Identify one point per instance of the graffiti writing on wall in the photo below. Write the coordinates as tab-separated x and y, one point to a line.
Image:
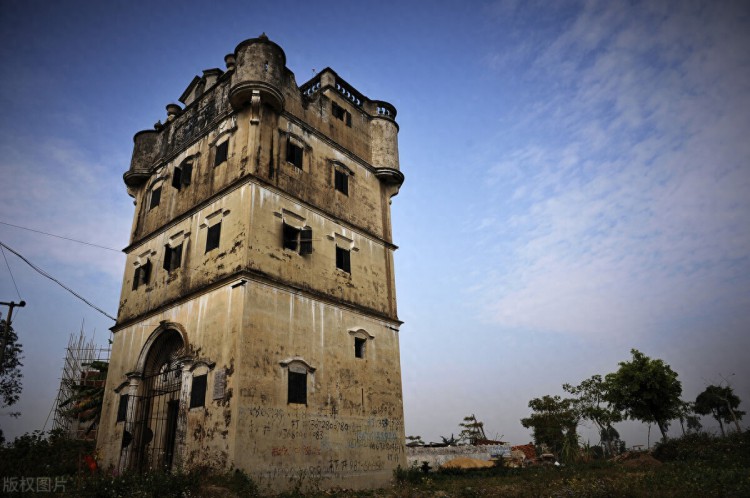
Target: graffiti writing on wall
320	444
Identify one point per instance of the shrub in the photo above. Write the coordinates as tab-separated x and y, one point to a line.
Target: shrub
731	449
411	475
43	455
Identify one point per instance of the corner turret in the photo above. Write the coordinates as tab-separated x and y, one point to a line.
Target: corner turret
144	153
258	73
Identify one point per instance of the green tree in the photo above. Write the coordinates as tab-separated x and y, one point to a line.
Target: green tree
553	423
472	430
591	404
10	370
721	403
450	441
414	441
646	390
85	403
688	416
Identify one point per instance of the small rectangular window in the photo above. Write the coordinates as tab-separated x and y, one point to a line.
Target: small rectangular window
305	241
187	173
221	152
297	392
341	181
359	347
337	111
294	154
182	175
198	391
212	237
291	237
155	198
122	408
172	257
142	274
177	178
341	114
343	261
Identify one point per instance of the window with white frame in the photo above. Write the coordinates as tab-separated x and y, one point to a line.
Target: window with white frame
295	234
173	252
361	338
299	373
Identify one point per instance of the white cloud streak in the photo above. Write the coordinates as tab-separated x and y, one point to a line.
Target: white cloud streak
57	188
624	204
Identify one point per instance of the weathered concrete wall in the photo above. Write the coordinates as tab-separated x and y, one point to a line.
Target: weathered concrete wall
262	321
436	457
350	432
252	218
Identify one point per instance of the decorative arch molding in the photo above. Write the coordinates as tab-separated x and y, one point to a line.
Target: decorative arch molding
338	164
201	363
297	361
122	386
163	327
159	177
224	132
361	333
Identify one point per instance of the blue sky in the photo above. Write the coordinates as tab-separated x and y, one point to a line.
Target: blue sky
577	178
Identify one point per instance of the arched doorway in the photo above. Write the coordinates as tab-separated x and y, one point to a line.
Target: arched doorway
157	412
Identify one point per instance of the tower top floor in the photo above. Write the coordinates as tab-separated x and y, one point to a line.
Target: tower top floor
254	175
255	77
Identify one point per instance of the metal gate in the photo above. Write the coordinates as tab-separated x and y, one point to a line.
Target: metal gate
157	409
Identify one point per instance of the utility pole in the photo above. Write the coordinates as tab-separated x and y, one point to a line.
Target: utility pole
6	329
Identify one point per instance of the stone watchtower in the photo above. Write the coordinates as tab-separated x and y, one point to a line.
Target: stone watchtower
257	327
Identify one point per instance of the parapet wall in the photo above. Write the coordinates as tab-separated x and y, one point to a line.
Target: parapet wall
436	457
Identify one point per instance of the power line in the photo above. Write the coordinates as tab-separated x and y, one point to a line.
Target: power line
60	237
45	274
11	273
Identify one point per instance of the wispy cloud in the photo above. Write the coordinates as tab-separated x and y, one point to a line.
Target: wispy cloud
624	201
58	188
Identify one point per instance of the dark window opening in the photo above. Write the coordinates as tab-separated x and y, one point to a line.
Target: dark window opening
221	152
142	275
297	239
122	408
359	347
155	198
305	244
291	237
182	175
341	182
341	114
297	392
198	391
172	257
177	178
343	261
212	237
294	154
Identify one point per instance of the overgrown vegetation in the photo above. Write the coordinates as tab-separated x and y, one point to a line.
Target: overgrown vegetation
66	460
40	454
10	367
641	389
693	465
